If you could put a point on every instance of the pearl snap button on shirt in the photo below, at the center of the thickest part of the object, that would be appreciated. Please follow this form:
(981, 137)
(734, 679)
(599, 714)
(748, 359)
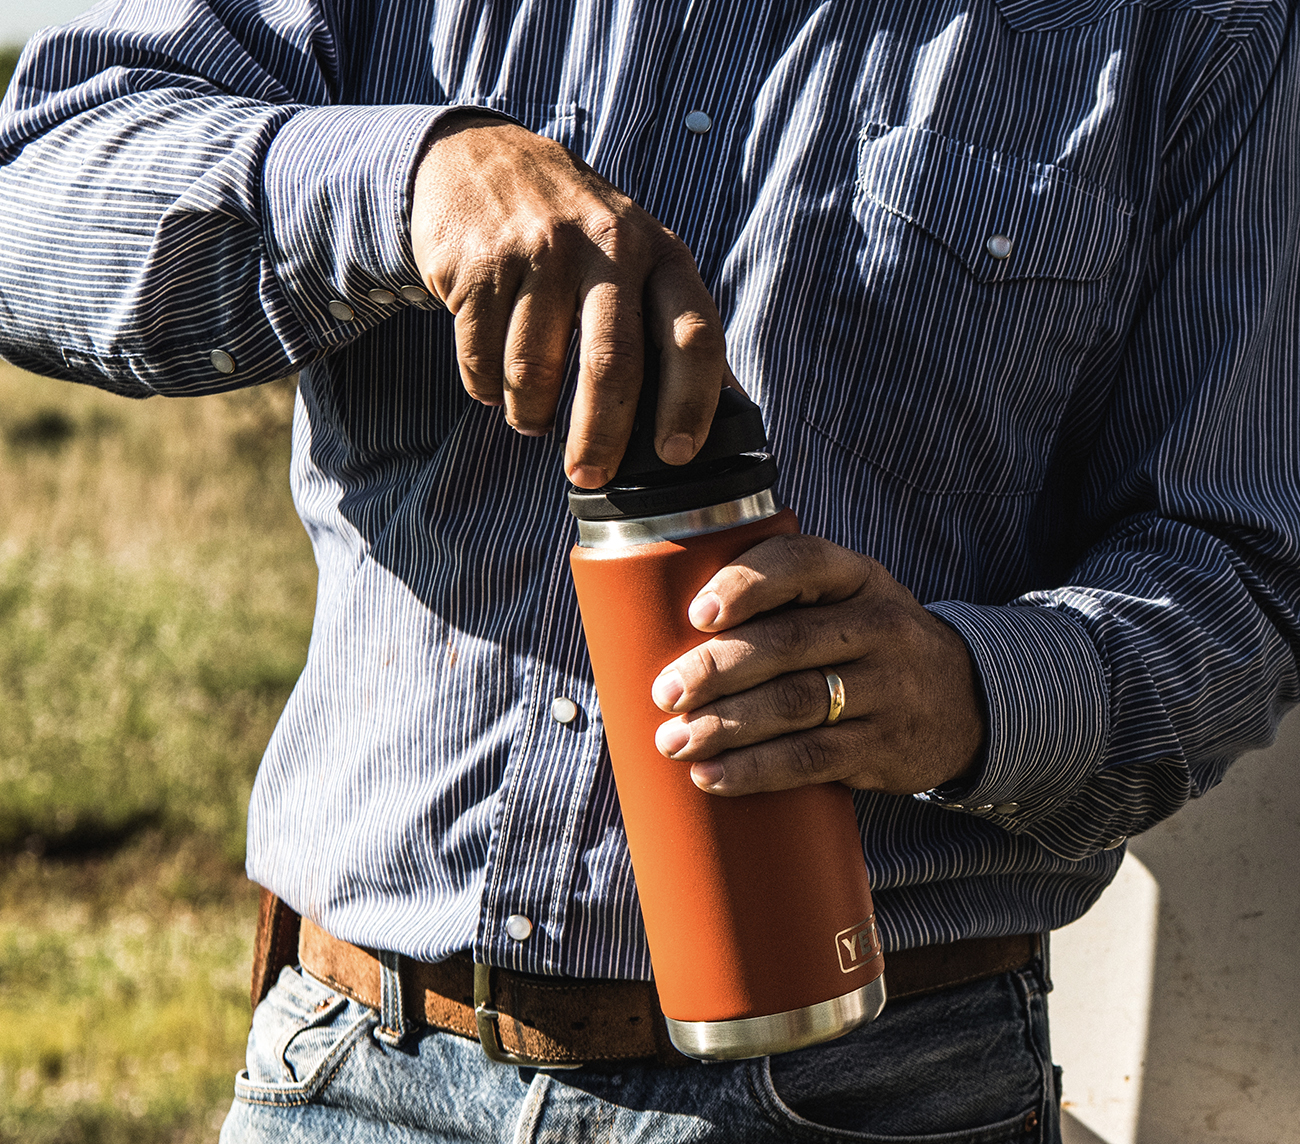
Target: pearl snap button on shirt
(382, 297)
(519, 927)
(341, 310)
(563, 709)
(414, 294)
(221, 361)
(698, 122)
(999, 247)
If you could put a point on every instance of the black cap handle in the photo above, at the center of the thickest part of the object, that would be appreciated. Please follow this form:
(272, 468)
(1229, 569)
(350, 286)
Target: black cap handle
(730, 464)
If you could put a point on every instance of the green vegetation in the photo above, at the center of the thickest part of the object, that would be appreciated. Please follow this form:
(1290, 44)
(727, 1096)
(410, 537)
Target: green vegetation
(156, 592)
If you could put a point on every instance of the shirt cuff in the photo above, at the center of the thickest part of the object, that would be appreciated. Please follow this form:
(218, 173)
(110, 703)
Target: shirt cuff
(1048, 713)
(336, 189)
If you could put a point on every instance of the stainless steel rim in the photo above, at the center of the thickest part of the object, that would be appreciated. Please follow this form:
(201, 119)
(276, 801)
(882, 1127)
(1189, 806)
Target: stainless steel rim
(779, 1032)
(677, 525)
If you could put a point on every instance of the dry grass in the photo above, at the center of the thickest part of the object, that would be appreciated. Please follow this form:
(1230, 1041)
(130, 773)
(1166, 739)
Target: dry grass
(155, 602)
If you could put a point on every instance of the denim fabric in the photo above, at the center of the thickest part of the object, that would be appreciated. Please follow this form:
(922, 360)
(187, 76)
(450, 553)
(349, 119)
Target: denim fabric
(970, 1065)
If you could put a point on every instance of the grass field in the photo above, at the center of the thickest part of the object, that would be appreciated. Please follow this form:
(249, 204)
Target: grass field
(156, 592)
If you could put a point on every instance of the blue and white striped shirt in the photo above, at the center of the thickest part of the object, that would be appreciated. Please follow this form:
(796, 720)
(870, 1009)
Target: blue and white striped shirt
(1083, 453)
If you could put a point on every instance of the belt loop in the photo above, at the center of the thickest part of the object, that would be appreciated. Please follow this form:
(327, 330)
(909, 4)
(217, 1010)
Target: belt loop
(393, 1025)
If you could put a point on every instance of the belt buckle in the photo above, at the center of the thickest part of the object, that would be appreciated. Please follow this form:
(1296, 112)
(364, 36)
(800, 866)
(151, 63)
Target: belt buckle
(486, 1017)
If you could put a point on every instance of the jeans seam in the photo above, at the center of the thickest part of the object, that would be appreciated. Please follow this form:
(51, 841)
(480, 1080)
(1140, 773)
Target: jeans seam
(307, 1095)
(1031, 989)
(319, 1080)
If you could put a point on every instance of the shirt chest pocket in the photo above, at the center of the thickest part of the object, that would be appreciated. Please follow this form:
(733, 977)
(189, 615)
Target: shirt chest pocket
(972, 306)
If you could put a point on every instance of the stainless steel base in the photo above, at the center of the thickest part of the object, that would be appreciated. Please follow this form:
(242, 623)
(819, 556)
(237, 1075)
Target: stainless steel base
(779, 1032)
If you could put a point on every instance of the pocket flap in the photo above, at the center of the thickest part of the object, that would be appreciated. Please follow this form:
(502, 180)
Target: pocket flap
(964, 196)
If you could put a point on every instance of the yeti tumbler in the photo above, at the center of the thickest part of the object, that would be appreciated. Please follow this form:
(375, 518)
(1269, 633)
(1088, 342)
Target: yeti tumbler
(757, 908)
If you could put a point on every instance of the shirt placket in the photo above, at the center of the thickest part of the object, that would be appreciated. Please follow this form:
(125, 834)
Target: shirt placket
(557, 746)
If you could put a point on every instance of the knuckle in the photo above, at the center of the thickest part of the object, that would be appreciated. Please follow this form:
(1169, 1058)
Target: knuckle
(799, 698)
(556, 244)
(699, 338)
(529, 372)
(613, 356)
(807, 552)
(481, 275)
(594, 444)
(787, 639)
(709, 732)
(704, 661)
(539, 237)
(897, 626)
(809, 758)
(612, 232)
(482, 369)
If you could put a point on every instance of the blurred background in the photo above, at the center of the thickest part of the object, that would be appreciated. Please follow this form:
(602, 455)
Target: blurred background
(156, 593)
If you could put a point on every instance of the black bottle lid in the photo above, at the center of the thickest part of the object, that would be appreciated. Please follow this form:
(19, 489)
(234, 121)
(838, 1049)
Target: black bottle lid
(730, 465)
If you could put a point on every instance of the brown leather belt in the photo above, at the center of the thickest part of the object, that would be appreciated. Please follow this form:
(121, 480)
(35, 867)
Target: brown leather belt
(558, 1021)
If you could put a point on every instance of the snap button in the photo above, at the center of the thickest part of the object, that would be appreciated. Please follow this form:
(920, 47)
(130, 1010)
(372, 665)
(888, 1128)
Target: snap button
(221, 361)
(341, 310)
(1006, 808)
(999, 247)
(698, 122)
(563, 709)
(519, 927)
(382, 297)
(1115, 843)
(988, 806)
(414, 294)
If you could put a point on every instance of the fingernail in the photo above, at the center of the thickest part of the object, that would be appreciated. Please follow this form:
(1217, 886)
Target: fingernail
(706, 776)
(588, 476)
(704, 609)
(667, 690)
(677, 449)
(672, 737)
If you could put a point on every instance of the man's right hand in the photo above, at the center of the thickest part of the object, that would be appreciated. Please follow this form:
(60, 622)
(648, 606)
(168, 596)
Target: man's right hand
(523, 241)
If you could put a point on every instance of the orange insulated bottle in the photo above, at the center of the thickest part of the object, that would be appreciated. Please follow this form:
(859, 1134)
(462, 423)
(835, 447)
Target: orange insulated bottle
(757, 908)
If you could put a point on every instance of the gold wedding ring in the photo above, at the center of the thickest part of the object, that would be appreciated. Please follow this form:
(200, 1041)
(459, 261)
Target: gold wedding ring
(835, 685)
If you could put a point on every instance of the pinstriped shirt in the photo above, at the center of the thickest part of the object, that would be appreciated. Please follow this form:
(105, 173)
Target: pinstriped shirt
(1015, 283)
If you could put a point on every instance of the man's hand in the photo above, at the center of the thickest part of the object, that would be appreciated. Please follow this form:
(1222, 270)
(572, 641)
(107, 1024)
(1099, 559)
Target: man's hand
(523, 241)
(752, 700)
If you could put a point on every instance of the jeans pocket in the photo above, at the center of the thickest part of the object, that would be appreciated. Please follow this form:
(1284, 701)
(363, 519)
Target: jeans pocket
(302, 1034)
(1018, 1129)
(967, 1065)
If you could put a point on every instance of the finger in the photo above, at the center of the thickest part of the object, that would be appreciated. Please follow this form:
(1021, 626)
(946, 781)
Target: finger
(537, 343)
(778, 644)
(822, 755)
(482, 321)
(692, 357)
(782, 570)
(865, 754)
(611, 360)
(798, 701)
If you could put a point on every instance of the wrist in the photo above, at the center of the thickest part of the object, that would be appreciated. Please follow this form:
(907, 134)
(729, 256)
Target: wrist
(463, 119)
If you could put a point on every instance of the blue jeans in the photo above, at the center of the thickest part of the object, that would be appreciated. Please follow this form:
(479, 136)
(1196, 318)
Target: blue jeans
(969, 1065)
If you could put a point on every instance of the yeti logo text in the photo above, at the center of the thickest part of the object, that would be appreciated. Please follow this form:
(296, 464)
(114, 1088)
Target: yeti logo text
(857, 945)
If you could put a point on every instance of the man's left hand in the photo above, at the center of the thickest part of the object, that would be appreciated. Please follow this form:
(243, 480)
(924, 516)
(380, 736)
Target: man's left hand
(752, 702)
